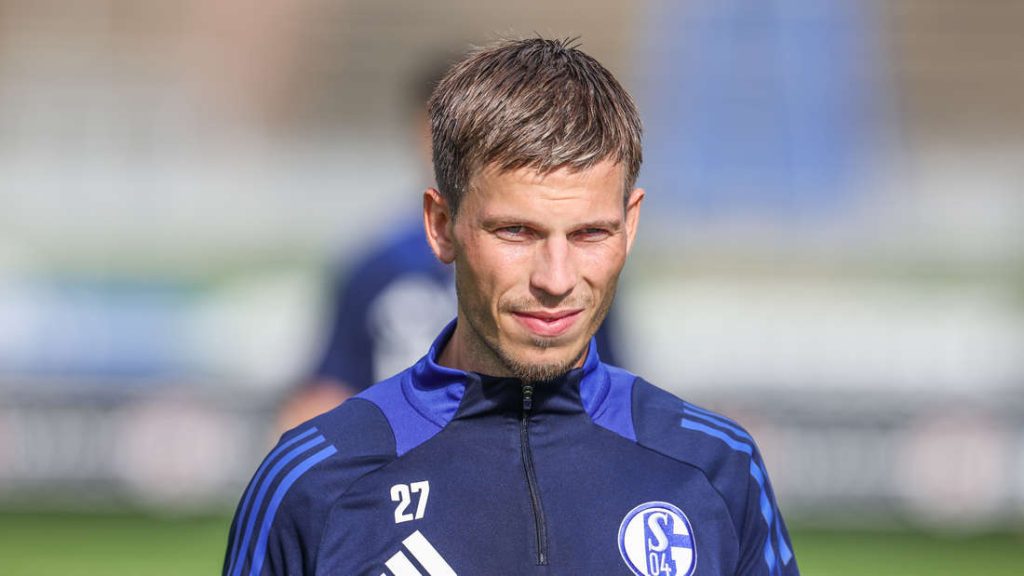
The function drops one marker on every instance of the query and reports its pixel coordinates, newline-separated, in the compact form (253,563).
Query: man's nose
(554,271)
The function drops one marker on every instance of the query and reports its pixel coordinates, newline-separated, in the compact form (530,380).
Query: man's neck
(466,351)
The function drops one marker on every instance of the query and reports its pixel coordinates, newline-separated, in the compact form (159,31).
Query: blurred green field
(35,544)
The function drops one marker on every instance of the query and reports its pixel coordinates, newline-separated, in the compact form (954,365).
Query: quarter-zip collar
(440,393)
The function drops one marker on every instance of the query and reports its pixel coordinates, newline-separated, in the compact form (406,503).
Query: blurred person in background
(389,303)
(511,447)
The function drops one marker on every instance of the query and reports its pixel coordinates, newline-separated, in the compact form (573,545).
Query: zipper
(531,477)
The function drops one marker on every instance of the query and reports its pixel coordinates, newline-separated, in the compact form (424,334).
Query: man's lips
(548,323)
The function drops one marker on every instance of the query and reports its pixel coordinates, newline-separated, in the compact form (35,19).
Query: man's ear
(636,198)
(439,225)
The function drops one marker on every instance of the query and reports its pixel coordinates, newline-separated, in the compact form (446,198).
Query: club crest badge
(656,539)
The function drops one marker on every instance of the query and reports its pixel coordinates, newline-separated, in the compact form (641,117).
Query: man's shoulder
(292,491)
(413,418)
(689,433)
(357,428)
(315,462)
(346,443)
(725,452)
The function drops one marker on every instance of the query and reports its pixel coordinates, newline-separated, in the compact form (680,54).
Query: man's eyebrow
(607,224)
(499,221)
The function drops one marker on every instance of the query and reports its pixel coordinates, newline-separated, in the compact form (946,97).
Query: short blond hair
(534,103)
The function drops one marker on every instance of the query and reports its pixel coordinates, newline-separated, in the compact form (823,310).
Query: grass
(44,544)
(904,553)
(86,544)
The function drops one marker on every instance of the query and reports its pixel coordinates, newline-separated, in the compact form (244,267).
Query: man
(510,448)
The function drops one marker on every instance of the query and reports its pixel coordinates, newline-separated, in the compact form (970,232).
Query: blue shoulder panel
(421,400)
(409,427)
(611,406)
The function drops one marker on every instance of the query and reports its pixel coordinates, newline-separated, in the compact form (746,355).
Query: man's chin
(546,343)
(544,361)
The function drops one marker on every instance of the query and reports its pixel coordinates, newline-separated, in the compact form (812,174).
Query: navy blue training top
(437,471)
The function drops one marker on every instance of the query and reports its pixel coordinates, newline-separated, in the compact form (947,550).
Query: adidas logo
(424,553)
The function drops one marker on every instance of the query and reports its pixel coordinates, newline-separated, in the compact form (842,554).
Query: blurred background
(832,252)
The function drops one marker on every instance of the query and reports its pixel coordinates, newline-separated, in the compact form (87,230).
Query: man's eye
(592,234)
(511,232)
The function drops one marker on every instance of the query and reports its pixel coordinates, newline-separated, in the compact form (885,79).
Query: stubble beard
(510,364)
(534,372)
(538,372)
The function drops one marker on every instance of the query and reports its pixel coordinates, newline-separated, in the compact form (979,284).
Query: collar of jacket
(440,393)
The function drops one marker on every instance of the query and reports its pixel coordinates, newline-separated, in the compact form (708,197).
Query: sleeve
(348,356)
(277,525)
(765,548)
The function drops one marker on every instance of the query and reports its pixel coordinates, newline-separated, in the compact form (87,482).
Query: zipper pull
(527,397)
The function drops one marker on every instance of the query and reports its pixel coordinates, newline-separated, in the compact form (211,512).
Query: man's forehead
(527,196)
(539,176)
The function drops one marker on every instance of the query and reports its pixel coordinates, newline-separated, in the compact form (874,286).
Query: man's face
(536,259)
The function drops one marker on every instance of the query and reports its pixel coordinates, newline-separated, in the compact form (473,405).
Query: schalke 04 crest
(655,539)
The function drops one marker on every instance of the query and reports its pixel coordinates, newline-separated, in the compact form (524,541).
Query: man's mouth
(548,323)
